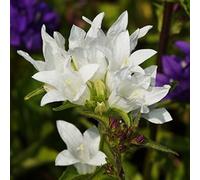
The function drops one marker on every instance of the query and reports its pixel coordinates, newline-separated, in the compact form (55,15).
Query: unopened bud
(139,139)
(100,89)
(100,108)
(114,123)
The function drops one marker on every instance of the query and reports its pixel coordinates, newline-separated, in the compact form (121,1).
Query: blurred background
(34,138)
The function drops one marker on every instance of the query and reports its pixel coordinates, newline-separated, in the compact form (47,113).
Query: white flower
(117,45)
(67,85)
(82,150)
(83,47)
(135,91)
(61,82)
(53,50)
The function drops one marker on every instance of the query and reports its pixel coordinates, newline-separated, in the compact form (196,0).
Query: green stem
(115,159)
(102,119)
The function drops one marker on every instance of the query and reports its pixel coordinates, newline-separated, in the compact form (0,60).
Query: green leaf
(65,105)
(122,114)
(36,92)
(154,145)
(159,147)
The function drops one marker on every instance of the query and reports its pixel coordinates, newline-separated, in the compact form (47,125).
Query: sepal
(35,92)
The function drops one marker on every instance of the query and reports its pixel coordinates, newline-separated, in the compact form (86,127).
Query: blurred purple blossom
(27,17)
(177,69)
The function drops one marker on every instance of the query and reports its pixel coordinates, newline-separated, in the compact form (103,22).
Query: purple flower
(27,17)
(177,69)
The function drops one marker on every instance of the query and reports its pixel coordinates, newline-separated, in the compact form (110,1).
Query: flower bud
(100,108)
(100,89)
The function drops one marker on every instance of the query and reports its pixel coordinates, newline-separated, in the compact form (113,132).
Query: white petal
(144,31)
(158,116)
(119,25)
(137,69)
(45,36)
(156,94)
(52,96)
(97,57)
(95,26)
(116,101)
(60,40)
(86,20)
(84,168)
(98,160)
(70,134)
(49,53)
(65,158)
(92,139)
(139,33)
(88,71)
(121,51)
(76,37)
(144,109)
(39,65)
(82,89)
(139,56)
(50,77)
(79,57)
(151,71)
(134,39)
(50,49)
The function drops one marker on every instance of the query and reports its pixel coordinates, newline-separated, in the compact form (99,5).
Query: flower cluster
(108,62)
(99,71)
(177,69)
(27,17)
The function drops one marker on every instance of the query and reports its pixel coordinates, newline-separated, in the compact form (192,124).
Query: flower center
(82,152)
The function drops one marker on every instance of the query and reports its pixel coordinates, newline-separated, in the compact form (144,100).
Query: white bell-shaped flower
(82,150)
(135,91)
(53,51)
(68,85)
